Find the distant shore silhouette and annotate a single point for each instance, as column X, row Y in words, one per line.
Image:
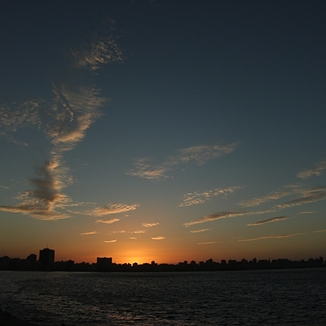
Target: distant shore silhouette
column 105, row 264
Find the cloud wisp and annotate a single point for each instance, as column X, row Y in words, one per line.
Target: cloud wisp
column 200, row 197
column 64, row 119
column 112, row 209
column 214, row 217
column 199, row 231
column 281, row 236
column 308, row 196
column 317, row 171
column 110, row 221
column 144, row 168
column 89, row 233
column 158, row 238
column 149, row 225
column 260, row 200
column 319, row 231
column 270, row 220
column 46, row 199
column 222, row 215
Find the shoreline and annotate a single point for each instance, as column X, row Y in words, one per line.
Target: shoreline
column 7, row 319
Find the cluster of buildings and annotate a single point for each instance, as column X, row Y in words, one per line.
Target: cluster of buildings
column 46, row 262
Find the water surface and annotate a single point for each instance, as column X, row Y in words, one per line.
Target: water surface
column 275, row 297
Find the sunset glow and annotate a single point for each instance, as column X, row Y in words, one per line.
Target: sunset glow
column 163, row 130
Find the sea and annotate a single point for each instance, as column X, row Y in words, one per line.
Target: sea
column 265, row 297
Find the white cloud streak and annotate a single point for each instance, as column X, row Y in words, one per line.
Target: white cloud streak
column 158, row 238
column 199, row 231
column 317, row 171
column 270, row 220
column 222, row 215
column 89, row 233
column 260, row 200
column 112, row 220
column 144, row 169
column 320, row 231
column 197, row 154
column 138, row 232
column 307, row 212
column 281, row 236
column 214, row 217
column 149, row 225
column 308, row 196
column 112, row 209
column 200, row 197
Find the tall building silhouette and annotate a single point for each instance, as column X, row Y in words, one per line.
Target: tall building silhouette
column 104, row 264
column 46, row 256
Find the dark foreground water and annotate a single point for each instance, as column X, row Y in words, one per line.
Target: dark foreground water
column 279, row 297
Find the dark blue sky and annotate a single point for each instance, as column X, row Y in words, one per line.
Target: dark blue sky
column 178, row 123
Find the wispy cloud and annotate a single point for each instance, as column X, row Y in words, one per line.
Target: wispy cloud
column 270, row 220
column 112, row 209
column 144, row 168
column 77, row 108
column 112, row 220
column 307, row 212
column 199, row 231
column 4, row 187
column 320, row 231
column 308, row 196
column 317, row 171
column 201, row 154
column 137, row 232
column 214, row 217
column 206, row 243
column 89, row 233
column 46, row 198
column 19, row 115
column 222, row 215
column 133, row 238
column 200, row 197
column 158, row 238
column 281, row 236
column 110, row 241
column 64, row 120
column 122, row 231
column 149, row 225
column 94, row 55
column 260, row 200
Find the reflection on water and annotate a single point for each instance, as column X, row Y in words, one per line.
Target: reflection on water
column 279, row 297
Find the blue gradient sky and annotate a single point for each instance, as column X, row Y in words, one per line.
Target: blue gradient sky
column 163, row 130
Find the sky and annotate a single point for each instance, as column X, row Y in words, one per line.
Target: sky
column 163, row 130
